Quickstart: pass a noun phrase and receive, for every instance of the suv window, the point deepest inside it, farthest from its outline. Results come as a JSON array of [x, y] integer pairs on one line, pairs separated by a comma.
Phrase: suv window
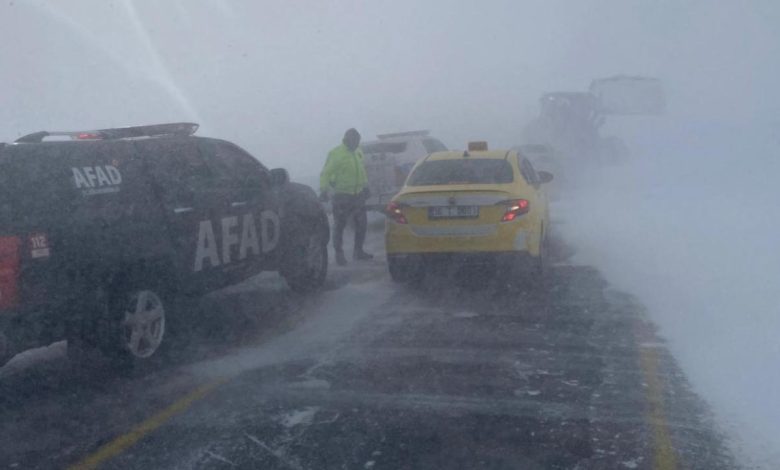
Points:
[[31, 168], [240, 170], [433, 145], [180, 170]]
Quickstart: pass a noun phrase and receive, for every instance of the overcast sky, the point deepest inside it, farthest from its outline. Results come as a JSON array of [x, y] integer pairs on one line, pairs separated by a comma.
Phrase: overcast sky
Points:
[[285, 78]]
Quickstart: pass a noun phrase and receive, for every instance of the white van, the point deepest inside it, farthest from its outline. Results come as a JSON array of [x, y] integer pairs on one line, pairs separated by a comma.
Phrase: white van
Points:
[[389, 159]]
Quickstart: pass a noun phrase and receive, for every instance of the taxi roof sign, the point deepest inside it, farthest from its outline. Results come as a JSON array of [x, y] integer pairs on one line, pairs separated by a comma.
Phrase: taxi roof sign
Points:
[[478, 146]]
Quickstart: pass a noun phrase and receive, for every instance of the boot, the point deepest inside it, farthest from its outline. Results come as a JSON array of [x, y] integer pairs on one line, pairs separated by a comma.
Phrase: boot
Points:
[[341, 260], [361, 255]]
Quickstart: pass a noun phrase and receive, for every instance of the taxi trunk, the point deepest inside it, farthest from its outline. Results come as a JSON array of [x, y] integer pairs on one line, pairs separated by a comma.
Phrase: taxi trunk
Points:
[[456, 221]]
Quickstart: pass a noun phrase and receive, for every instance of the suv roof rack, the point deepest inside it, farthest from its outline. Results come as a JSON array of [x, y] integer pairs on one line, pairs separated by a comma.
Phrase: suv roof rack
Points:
[[154, 130], [421, 133]]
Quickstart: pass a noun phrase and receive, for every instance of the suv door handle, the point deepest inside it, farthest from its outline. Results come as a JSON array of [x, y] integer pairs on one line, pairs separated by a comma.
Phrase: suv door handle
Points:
[[182, 210], [238, 204]]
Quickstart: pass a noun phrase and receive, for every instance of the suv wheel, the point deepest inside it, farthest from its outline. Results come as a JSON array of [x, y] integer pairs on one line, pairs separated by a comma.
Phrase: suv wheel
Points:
[[306, 268], [5, 349], [142, 323], [128, 324]]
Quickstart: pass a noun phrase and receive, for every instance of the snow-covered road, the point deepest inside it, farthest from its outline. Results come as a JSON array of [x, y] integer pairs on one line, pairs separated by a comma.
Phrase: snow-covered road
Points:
[[372, 375]]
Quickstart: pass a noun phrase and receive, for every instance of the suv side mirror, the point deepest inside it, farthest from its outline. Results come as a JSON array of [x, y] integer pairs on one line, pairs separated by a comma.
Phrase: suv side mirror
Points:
[[279, 177], [544, 176]]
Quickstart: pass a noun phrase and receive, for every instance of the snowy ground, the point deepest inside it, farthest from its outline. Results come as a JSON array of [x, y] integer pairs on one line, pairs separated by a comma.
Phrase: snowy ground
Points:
[[368, 374], [692, 230]]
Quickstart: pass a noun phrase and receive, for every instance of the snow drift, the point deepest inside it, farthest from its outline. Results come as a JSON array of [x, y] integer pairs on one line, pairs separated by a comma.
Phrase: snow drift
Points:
[[691, 226]]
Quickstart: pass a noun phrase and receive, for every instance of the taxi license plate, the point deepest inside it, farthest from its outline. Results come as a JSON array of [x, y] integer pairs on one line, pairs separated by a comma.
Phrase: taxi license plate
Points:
[[453, 212]]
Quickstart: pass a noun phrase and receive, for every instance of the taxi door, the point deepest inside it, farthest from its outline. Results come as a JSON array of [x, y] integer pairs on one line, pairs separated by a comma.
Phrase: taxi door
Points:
[[539, 206]]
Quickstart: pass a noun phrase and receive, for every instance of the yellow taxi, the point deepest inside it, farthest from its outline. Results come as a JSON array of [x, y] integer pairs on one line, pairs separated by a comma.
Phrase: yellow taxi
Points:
[[477, 206]]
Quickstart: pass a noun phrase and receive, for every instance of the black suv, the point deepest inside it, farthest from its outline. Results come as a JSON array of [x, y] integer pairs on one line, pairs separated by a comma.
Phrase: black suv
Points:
[[101, 232]]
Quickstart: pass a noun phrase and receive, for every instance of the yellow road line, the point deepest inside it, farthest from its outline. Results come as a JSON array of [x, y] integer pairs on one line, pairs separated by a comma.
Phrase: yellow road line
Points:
[[663, 455], [125, 441]]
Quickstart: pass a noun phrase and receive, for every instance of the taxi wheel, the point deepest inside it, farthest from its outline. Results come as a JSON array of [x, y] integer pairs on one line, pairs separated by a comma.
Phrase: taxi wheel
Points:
[[409, 271], [540, 264]]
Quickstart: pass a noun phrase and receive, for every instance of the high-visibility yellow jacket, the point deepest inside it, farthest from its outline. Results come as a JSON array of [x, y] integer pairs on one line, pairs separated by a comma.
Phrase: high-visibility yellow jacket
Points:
[[344, 171]]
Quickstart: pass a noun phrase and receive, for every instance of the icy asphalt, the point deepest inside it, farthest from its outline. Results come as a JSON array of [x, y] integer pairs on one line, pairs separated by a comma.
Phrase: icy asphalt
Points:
[[372, 375]]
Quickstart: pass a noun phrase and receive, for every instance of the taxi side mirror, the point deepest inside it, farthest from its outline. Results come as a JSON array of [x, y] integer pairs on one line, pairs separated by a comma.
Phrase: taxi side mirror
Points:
[[544, 176], [279, 177]]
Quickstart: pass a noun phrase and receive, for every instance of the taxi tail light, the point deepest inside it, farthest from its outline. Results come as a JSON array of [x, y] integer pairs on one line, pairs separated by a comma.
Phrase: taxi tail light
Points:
[[9, 271], [394, 212], [515, 208]]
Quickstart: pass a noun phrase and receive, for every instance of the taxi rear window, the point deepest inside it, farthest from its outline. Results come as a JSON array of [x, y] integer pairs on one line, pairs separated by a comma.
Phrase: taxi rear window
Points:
[[462, 171]]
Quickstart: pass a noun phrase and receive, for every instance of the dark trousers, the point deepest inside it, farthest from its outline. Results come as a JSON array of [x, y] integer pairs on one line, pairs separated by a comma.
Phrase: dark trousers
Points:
[[348, 207]]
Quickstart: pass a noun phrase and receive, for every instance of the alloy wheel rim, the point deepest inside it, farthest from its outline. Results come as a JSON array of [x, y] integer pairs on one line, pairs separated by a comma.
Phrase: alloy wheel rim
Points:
[[143, 324]]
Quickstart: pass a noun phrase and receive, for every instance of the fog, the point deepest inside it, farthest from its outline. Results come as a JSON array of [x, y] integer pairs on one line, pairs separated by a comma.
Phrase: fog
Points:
[[688, 224]]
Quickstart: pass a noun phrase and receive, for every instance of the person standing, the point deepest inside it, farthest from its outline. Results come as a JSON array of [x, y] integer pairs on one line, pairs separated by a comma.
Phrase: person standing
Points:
[[344, 174]]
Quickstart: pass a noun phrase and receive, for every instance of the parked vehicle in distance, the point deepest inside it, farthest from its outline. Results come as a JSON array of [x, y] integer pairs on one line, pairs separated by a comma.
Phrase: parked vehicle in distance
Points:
[[389, 159]]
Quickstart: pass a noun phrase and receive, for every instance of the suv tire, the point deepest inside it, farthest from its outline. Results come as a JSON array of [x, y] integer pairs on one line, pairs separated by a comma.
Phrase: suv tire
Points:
[[306, 265], [129, 323]]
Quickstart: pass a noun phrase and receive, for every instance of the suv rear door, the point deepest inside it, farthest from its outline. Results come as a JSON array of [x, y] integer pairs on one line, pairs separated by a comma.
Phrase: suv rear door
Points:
[[78, 209], [194, 202], [251, 228]]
